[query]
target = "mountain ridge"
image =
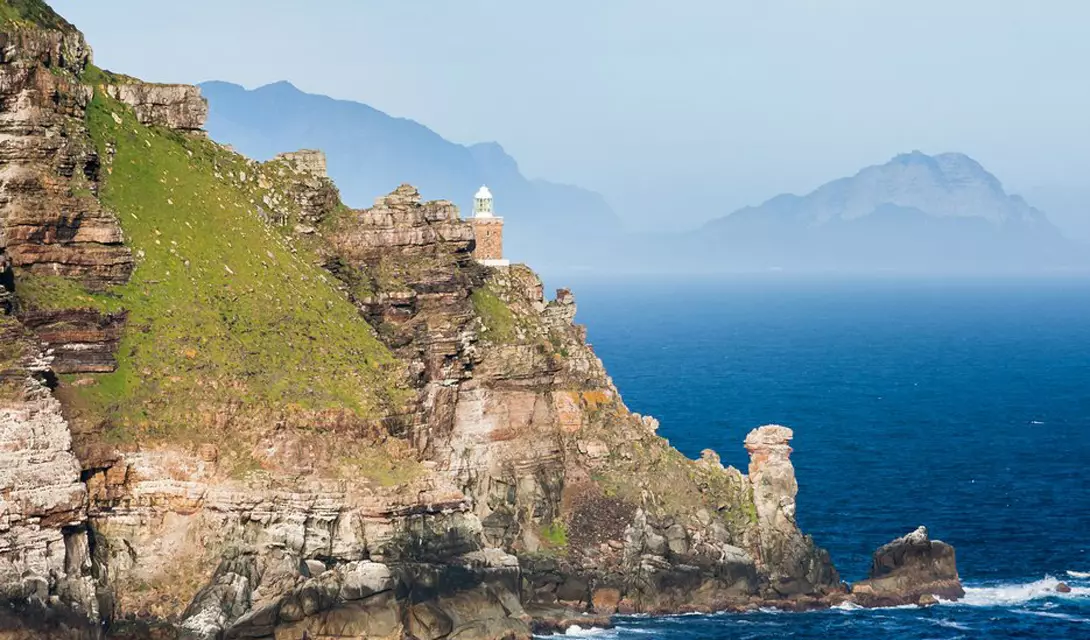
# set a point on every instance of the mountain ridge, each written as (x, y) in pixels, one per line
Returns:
(370, 152)
(900, 182)
(915, 212)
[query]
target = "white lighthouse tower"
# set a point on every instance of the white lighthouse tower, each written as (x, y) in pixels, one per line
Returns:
(487, 230)
(482, 203)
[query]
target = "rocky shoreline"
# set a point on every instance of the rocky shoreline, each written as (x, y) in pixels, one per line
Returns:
(479, 598)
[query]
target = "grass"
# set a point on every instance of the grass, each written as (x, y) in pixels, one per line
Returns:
(555, 535)
(221, 307)
(385, 468)
(51, 293)
(12, 352)
(499, 321)
(96, 76)
(35, 13)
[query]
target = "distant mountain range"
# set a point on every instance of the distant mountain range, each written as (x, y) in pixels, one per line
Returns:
(914, 213)
(370, 153)
(1067, 206)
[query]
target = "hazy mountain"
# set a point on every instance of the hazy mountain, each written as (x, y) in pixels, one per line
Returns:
(916, 212)
(1067, 206)
(370, 153)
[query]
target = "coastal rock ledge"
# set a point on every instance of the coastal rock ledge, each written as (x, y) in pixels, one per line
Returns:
(913, 569)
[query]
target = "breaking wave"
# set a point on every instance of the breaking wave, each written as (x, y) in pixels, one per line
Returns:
(1009, 594)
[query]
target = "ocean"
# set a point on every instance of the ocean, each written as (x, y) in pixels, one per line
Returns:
(959, 404)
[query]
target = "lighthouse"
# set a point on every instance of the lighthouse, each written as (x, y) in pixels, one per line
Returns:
(487, 230)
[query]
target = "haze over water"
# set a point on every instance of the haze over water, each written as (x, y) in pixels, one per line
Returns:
(962, 405)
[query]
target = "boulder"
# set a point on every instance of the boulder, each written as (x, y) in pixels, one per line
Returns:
(365, 579)
(907, 569)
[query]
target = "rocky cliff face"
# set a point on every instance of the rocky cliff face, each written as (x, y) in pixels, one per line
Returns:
(44, 546)
(51, 221)
(297, 420)
(174, 106)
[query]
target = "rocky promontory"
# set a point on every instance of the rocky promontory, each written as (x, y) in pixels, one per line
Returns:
(232, 407)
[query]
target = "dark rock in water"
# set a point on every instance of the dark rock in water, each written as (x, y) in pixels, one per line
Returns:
(908, 569)
(927, 600)
(1063, 588)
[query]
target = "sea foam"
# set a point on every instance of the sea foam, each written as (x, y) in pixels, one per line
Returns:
(1003, 595)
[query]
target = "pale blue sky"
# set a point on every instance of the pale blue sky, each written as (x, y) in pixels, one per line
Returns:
(676, 110)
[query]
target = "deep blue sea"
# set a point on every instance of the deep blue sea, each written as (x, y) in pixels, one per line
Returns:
(962, 405)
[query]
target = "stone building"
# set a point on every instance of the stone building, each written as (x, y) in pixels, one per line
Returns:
(488, 231)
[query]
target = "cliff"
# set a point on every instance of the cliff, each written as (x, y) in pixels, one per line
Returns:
(240, 409)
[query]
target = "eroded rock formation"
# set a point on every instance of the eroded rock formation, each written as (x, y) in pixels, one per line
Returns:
(913, 569)
(794, 563)
(174, 106)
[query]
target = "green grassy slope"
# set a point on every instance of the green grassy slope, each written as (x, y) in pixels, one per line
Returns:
(31, 13)
(221, 307)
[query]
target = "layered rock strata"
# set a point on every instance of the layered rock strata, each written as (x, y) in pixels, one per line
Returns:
(50, 221)
(174, 106)
(44, 548)
(81, 340)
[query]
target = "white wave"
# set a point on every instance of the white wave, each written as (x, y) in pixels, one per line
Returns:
(1082, 575)
(587, 632)
(1050, 614)
(576, 631)
(847, 606)
(949, 624)
(1016, 593)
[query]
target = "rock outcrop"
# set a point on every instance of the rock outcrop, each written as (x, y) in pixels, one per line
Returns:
(912, 569)
(310, 161)
(81, 340)
(50, 221)
(311, 190)
(794, 564)
(44, 551)
(408, 265)
(174, 106)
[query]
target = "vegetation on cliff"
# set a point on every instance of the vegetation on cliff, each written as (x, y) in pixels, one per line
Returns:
(496, 317)
(34, 13)
(221, 306)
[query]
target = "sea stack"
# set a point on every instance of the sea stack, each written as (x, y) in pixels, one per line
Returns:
(913, 569)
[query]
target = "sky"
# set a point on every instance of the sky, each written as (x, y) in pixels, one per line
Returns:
(678, 111)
